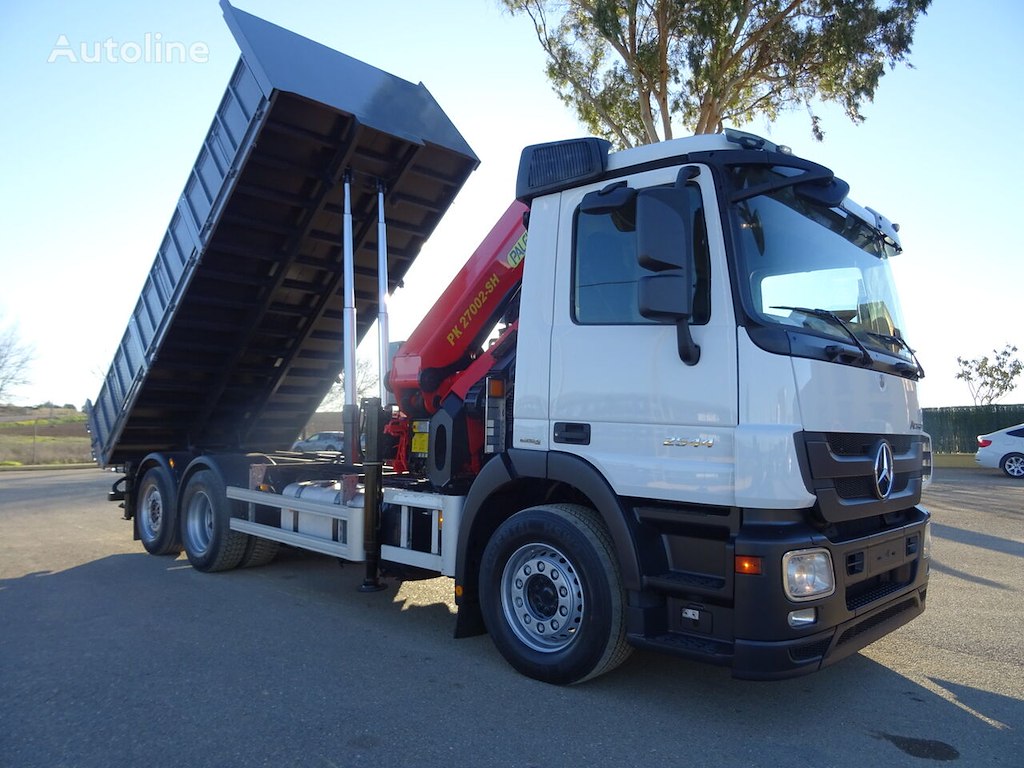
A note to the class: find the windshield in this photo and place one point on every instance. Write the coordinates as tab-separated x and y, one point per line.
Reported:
817	269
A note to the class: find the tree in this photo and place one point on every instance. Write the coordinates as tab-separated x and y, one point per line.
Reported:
988	380
366	386
632	68
15	358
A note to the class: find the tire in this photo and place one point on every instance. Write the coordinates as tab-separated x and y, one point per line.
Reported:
552	596
206	535
155	518
258	552
1013	465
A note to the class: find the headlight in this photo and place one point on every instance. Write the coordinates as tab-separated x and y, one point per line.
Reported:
926	550
807	574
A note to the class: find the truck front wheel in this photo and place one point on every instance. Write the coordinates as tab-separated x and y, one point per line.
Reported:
209	542
551	594
155	519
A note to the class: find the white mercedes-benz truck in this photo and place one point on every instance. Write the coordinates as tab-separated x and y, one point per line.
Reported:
667	402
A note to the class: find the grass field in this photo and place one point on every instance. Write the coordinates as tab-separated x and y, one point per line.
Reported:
955	461
31	436
48	436
43	436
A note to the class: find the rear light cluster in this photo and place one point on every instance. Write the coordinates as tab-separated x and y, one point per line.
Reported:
984	443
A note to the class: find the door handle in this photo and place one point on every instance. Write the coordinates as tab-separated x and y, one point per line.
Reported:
572	433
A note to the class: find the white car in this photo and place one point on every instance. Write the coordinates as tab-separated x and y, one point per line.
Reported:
321	441
1003	450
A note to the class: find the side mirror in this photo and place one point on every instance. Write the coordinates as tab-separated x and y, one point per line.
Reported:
828	192
664	235
611	199
666	296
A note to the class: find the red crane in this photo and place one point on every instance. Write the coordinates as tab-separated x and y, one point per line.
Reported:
444	355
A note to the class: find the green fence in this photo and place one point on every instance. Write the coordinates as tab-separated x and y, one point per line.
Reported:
956	430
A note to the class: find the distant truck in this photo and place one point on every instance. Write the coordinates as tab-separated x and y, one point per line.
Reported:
679	414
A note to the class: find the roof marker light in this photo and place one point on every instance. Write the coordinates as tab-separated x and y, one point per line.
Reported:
557	165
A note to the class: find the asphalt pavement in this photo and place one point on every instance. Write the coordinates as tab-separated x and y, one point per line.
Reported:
111	657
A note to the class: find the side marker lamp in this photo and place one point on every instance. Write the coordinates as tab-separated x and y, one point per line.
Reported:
748	564
495	388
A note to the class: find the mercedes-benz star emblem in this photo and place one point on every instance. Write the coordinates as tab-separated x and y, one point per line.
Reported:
884	473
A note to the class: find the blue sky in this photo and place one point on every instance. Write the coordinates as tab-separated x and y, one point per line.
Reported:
95	156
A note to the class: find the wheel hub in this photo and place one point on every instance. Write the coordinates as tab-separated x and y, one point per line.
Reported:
542	598
199	523
154	510
151	513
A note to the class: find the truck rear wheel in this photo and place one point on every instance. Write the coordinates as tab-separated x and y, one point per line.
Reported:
206	534
258	552
155	518
551	595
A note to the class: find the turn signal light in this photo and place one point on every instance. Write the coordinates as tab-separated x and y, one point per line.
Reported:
748	564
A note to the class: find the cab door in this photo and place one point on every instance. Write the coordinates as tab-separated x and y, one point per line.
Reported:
620	395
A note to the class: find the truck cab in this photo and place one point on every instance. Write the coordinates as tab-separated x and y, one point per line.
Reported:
711	356
793	321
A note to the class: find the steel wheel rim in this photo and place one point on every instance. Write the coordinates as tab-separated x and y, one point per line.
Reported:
199	523
1015	466
542	598
152	514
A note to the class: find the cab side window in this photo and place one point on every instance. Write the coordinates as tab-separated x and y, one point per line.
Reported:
606	270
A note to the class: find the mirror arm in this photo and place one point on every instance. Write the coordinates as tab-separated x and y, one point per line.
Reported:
689	351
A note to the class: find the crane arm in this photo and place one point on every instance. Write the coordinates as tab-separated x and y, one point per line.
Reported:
450	336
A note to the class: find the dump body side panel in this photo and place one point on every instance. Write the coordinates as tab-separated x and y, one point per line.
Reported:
237	335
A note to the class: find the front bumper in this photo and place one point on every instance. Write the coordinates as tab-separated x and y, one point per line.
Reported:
742	620
753	660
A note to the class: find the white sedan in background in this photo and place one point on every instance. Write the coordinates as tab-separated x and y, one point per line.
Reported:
321	441
1003	450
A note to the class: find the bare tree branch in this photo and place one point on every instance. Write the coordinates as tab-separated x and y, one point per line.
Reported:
15	359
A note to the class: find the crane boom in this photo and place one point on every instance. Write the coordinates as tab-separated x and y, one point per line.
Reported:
451	334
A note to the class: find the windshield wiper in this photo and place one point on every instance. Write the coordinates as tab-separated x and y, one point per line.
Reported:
828	314
898	340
